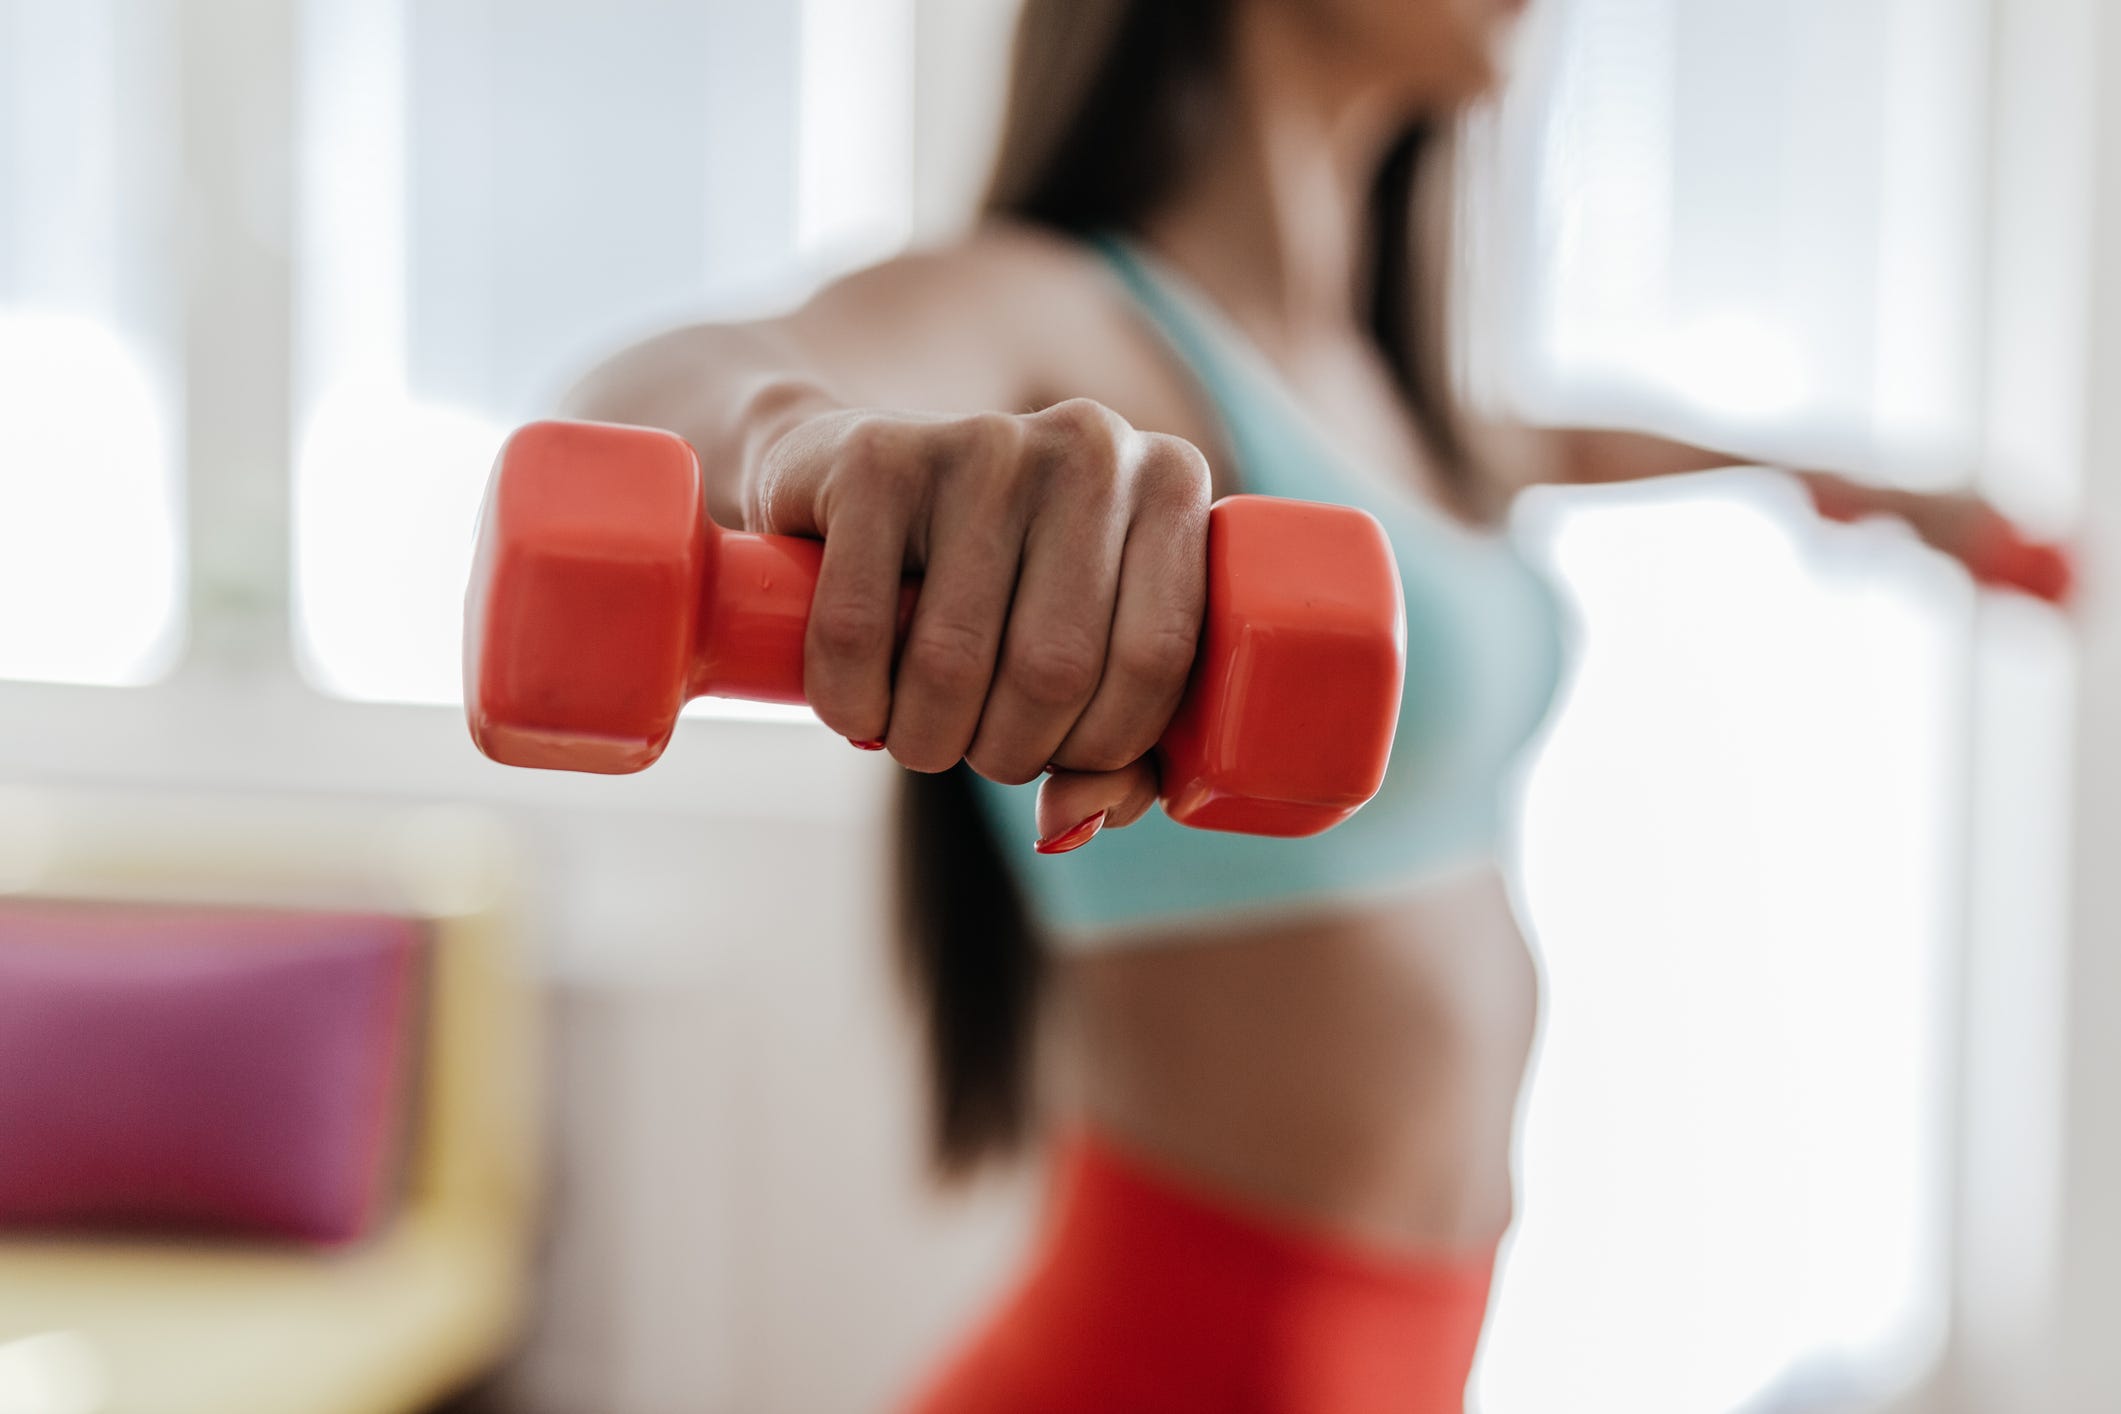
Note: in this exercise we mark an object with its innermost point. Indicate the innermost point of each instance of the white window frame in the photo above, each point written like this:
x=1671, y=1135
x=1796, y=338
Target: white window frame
x=2038, y=1243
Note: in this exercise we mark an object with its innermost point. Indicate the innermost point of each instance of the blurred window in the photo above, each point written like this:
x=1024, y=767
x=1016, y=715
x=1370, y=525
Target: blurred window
x=90, y=557
x=1740, y=844
x=492, y=195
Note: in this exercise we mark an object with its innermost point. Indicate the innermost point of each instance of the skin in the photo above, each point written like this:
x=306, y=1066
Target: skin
x=1358, y=1068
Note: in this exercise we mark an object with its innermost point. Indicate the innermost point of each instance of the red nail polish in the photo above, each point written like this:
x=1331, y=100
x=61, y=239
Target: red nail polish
x=876, y=745
x=1074, y=837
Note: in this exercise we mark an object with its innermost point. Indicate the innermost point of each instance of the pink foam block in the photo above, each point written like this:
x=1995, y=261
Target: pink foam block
x=232, y=1072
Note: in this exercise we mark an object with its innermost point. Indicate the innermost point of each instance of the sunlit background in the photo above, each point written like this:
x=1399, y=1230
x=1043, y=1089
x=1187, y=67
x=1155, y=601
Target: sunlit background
x=276, y=276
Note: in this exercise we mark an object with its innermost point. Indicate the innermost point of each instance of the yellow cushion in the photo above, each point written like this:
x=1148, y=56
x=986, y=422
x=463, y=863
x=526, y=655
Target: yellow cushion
x=426, y=1305
x=390, y=1325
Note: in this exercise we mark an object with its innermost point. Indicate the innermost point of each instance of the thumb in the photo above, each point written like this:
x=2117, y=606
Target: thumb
x=788, y=457
x=1074, y=805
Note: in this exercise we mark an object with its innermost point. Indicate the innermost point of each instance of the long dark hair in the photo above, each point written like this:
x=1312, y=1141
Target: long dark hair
x=1110, y=103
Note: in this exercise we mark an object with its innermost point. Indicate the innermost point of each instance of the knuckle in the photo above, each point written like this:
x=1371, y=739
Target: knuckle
x=993, y=436
x=843, y=630
x=949, y=658
x=898, y=478
x=1157, y=658
x=1089, y=469
x=1055, y=670
x=867, y=444
x=877, y=458
x=1079, y=419
x=1176, y=471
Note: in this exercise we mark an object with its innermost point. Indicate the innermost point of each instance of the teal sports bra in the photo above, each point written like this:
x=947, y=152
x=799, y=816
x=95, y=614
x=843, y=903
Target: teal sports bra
x=1484, y=655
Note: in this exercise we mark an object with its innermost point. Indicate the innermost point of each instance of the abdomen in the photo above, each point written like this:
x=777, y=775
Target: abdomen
x=1356, y=1070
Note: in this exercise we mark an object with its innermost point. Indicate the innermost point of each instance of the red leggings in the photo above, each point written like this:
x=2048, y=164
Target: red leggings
x=1148, y=1297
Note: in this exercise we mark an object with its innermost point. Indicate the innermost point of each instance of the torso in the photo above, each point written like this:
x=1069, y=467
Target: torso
x=1357, y=1067
x=1360, y=1070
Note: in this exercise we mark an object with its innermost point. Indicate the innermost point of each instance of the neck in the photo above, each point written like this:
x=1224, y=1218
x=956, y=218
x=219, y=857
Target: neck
x=1274, y=222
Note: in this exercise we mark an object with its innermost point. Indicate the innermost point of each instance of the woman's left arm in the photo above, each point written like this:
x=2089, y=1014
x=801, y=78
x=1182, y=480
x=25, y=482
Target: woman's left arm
x=1959, y=524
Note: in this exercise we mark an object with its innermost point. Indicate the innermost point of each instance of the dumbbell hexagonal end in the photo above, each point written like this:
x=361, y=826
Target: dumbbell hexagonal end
x=579, y=620
x=1288, y=722
x=2003, y=557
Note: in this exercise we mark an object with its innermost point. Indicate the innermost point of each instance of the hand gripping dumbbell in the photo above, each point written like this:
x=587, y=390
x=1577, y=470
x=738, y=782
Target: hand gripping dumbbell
x=602, y=599
x=2000, y=556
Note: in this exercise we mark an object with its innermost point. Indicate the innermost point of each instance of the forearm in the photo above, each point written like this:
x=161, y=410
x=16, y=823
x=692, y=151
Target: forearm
x=1593, y=456
x=1960, y=524
x=944, y=332
x=1598, y=456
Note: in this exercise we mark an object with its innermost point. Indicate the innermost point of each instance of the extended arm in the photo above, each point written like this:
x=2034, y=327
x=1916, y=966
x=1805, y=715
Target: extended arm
x=938, y=332
x=912, y=417
x=1959, y=524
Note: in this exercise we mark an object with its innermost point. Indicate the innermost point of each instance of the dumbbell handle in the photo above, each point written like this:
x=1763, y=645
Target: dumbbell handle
x=602, y=597
x=754, y=611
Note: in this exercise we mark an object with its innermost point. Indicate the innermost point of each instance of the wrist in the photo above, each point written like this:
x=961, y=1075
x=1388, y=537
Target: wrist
x=770, y=409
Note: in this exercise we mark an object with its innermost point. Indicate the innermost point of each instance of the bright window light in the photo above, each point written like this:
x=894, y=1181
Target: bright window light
x=854, y=191
x=1735, y=856
x=490, y=202
x=1736, y=367
x=388, y=490
x=90, y=558
x=88, y=546
x=1739, y=849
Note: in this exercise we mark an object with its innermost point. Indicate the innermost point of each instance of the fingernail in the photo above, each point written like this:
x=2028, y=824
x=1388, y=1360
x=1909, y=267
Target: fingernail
x=876, y=745
x=1074, y=837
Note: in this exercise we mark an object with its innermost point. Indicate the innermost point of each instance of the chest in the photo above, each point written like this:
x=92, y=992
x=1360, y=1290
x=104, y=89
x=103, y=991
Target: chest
x=1342, y=388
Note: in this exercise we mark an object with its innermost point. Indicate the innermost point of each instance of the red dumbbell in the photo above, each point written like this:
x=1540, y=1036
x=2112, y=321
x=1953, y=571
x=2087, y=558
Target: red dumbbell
x=603, y=599
x=1999, y=555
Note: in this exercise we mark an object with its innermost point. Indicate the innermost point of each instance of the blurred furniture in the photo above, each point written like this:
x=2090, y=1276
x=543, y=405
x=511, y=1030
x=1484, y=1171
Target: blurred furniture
x=222, y=1072
x=426, y=1302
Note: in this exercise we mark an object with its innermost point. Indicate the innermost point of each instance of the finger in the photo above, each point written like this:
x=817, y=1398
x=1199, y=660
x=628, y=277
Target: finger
x=1156, y=622
x=790, y=494
x=849, y=642
x=1074, y=805
x=1053, y=651
x=975, y=544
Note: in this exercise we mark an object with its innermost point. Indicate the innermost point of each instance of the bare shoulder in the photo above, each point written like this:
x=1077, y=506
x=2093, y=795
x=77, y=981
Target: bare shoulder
x=1091, y=340
x=1010, y=262
x=1021, y=315
x=1007, y=318
x=1005, y=288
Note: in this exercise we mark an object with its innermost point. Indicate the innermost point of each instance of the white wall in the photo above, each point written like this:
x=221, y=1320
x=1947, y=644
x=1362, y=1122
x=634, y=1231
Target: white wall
x=2052, y=1238
x=740, y=1217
